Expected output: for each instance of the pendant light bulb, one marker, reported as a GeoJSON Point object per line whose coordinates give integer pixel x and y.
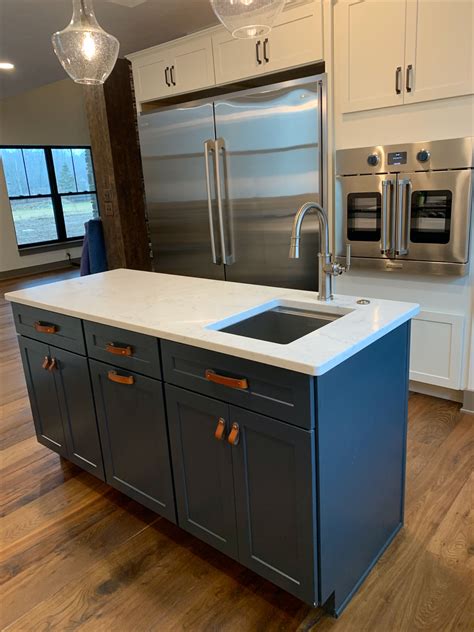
{"type": "Point", "coordinates": [247, 19]}
{"type": "Point", "coordinates": [86, 52]}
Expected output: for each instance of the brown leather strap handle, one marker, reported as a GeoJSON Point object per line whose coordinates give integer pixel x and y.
{"type": "Point", "coordinates": [231, 382]}
{"type": "Point", "coordinates": [45, 362]}
{"type": "Point", "coordinates": [220, 429]}
{"type": "Point", "coordinates": [120, 379]}
{"type": "Point", "coordinates": [53, 364]}
{"type": "Point", "coordinates": [45, 329]}
{"type": "Point", "coordinates": [121, 351]}
{"type": "Point", "coordinates": [234, 435]}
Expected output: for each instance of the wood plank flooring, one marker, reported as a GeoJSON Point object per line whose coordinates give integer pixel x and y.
{"type": "Point", "coordinates": [77, 555]}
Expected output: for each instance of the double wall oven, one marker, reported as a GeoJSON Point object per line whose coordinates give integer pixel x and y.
{"type": "Point", "coordinates": [407, 207]}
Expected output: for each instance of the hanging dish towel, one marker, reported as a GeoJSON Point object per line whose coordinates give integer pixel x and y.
{"type": "Point", "coordinates": [94, 258]}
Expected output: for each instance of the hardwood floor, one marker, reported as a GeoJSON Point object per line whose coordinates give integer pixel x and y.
{"type": "Point", "coordinates": [77, 555]}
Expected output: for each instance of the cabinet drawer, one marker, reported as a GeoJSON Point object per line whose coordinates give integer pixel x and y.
{"type": "Point", "coordinates": [126, 349]}
{"type": "Point", "coordinates": [55, 329]}
{"type": "Point", "coordinates": [265, 389]}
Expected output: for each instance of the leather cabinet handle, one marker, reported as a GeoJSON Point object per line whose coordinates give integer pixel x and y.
{"type": "Point", "coordinates": [120, 379]}
{"type": "Point", "coordinates": [45, 362]}
{"type": "Point", "coordinates": [234, 435]}
{"type": "Point", "coordinates": [53, 364]}
{"type": "Point", "coordinates": [231, 382]}
{"type": "Point", "coordinates": [45, 329]}
{"type": "Point", "coordinates": [121, 351]}
{"type": "Point", "coordinates": [220, 429]}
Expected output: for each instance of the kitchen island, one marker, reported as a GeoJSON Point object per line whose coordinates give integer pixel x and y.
{"type": "Point", "coordinates": [287, 456]}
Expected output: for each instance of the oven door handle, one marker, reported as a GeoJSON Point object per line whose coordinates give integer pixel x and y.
{"type": "Point", "coordinates": [405, 188]}
{"type": "Point", "coordinates": [386, 198]}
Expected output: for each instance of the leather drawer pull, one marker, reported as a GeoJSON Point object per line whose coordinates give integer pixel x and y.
{"type": "Point", "coordinates": [220, 429]}
{"type": "Point", "coordinates": [120, 379]}
{"type": "Point", "coordinates": [231, 382]}
{"type": "Point", "coordinates": [45, 362]}
{"type": "Point", "coordinates": [122, 351]}
{"type": "Point", "coordinates": [234, 435]}
{"type": "Point", "coordinates": [53, 364]}
{"type": "Point", "coordinates": [45, 329]}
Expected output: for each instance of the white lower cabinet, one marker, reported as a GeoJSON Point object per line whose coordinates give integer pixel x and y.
{"type": "Point", "coordinates": [437, 349]}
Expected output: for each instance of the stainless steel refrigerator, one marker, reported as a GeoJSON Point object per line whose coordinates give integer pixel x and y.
{"type": "Point", "coordinates": [224, 178]}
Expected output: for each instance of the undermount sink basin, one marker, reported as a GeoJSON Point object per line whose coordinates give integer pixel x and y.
{"type": "Point", "coordinates": [281, 324]}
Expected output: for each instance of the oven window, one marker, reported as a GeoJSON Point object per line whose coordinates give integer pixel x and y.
{"type": "Point", "coordinates": [430, 217]}
{"type": "Point", "coordinates": [363, 216]}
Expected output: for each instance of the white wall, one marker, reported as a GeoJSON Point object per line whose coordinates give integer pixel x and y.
{"type": "Point", "coordinates": [51, 115]}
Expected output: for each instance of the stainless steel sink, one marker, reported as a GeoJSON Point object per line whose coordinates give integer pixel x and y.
{"type": "Point", "coordinates": [281, 324]}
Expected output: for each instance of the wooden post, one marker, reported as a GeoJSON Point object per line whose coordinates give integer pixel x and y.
{"type": "Point", "coordinates": [113, 132]}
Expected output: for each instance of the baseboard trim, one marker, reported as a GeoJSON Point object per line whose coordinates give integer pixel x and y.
{"type": "Point", "coordinates": [437, 391]}
{"type": "Point", "coordinates": [44, 267]}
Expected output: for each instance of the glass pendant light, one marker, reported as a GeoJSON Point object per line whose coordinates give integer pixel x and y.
{"type": "Point", "coordinates": [86, 52]}
{"type": "Point", "coordinates": [247, 19]}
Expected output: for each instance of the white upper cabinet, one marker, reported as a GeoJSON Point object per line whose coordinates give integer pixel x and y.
{"type": "Point", "coordinates": [371, 53]}
{"type": "Point", "coordinates": [165, 70]}
{"type": "Point", "coordinates": [439, 49]}
{"type": "Point", "coordinates": [295, 39]}
{"type": "Point", "coordinates": [393, 52]}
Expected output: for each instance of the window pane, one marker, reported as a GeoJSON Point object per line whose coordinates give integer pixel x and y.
{"type": "Point", "coordinates": [36, 171]}
{"type": "Point", "coordinates": [78, 209]}
{"type": "Point", "coordinates": [64, 169]}
{"type": "Point", "coordinates": [34, 220]}
{"type": "Point", "coordinates": [14, 170]}
{"type": "Point", "coordinates": [84, 169]}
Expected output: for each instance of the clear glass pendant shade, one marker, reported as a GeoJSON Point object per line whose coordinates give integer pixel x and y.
{"type": "Point", "coordinates": [247, 19]}
{"type": "Point", "coordinates": [86, 52]}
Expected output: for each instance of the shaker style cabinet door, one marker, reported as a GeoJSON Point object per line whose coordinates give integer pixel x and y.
{"type": "Point", "coordinates": [274, 474]}
{"type": "Point", "coordinates": [134, 437]}
{"type": "Point", "coordinates": [192, 65]}
{"type": "Point", "coordinates": [370, 53]}
{"type": "Point", "coordinates": [202, 467]}
{"type": "Point", "coordinates": [236, 58]}
{"type": "Point", "coordinates": [43, 396]}
{"type": "Point", "coordinates": [439, 49]}
{"type": "Point", "coordinates": [76, 403]}
{"type": "Point", "coordinates": [151, 76]}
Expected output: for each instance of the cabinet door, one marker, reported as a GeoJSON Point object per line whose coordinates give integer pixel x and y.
{"type": "Point", "coordinates": [151, 76]}
{"type": "Point", "coordinates": [296, 39]}
{"type": "Point", "coordinates": [43, 397]}
{"type": "Point", "coordinates": [74, 391]}
{"type": "Point", "coordinates": [236, 58]}
{"type": "Point", "coordinates": [274, 473]}
{"type": "Point", "coordinates": [134, 437]}
{"type": "Point", "coordinates": [202, 468]}
{"type": "Point", "coordinates": [439, 47]}
{"type": "Point", "coordinates": [369, 48]}
{"type": "Point", "coordinates": [193, 65]}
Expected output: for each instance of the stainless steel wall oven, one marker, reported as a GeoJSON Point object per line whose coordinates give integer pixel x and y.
{"type": "Point", "coordinates": [407, 207]}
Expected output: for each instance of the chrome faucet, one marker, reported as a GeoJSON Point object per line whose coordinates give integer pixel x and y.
{"type": "Point", "coordinates": [328, 268]}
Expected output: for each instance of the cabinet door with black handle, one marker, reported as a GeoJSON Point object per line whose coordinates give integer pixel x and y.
{"type": "Point", "coordinates": [44, 401]}
{"type": "Point", "coordinates": [274, 497]}
{"type": "Point", "coordinates": [202, 467]}
{"type": "Point", "coordinates": [76, 403]}
{"type": "Point", "coordinates": [134, 437]}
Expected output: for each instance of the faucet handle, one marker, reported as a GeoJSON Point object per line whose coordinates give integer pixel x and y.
{"type": "Point", "coordinates": [348, 257]}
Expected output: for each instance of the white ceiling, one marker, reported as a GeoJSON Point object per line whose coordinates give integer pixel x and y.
{"type": "Point", "coordinates": [26, 27]}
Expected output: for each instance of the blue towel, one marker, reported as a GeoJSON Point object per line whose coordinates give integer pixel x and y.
{"type": "Point", "coordinates": [94, 258]}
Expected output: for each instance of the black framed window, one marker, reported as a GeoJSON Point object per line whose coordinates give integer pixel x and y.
{"type": "Point", "coordinates": [52, 192]}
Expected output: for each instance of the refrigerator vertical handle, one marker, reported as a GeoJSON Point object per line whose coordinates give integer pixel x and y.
{"type": "Point", "coordinates": [219, 150]}
{"type": "Point", "coordinates": [386, 197]}
{"type": "Point", "coordinates": [403, 216]}
{"type": "Point", "coordinates": [209, 149]}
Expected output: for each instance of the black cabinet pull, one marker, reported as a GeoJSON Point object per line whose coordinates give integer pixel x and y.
{"type": "Point", "coordinates": [257, 52]}
{"type": "Point", "coordinates": [398, 80]}
{"type": "Point", "coordinates": [266, 50]}
{"type": "Point", "coordinates": [173, 81]}
{"type": "Point", "coordinates": [409, 78]}
{"type": "Point", "coordinates": [167, 81]}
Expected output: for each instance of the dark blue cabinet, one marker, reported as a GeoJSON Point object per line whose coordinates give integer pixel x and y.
{"type": "Point", "coordinates": [202, 467]}
{"type": "Point", "coordinates": [62, 403]}
{"type": "Point", "coordinates": [133, 431]}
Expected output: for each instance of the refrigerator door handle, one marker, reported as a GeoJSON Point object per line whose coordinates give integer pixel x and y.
{"type": "Point", "coordinates": [208, 150]}
{"type": "Point", "coordinates": [220, 150]}
{"type": "Point", "coordinates": [403, 216]}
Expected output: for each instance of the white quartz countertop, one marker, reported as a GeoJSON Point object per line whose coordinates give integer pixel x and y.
{"type": "Point", "coordinates": [187, 310]}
